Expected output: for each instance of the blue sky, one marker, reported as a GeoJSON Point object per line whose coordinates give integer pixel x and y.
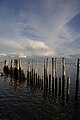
{"type": "Point", "coordinates": [39, 27]}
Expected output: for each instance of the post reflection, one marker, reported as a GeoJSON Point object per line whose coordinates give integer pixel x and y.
{"type": "Point", "coordinates": [49, 83]}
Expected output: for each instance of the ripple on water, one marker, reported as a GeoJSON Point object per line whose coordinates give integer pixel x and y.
{"type": "Point", "coordinates": [18, 102]}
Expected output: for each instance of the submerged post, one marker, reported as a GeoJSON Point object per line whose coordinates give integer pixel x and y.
{"type": "Point", "coordinates": [77, 82]}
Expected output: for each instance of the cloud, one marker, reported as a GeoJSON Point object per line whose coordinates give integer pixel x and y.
{"type": "Point", "coordinates": [10, 44]}
{"type": "Point", "coordinates": [42, 28]}
{"type": "Point", "coordinates": [53, 24]}
{"type": "Point", "coordinates": [25, 48]}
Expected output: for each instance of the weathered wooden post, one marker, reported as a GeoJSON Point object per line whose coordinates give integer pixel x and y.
{"type": "Point", "coordinates": [47, 67]}
{"type": "Point", "coordinates": [52, 76]}
{"type": "Point", "coordinates": [55, 71]}
{"type": "Point", "coordinates": [32, 73]}
{"type": "Point", "coordinates": [15, 69]}
{"type": "Point", "coordinates": [36, 72]}
{"type": "Point", "coordinates": [49, 84]}
{"type": "Point", "coordinates": [11, 70]}
{"type": "Point", "coordinates": [28, 73]}
{"type": "Point", "coordinates": [38, 81]}
{"type": "Point", "coordinates": [77, 81]}
{"type": "Point", "coordinates": [27, 76]}
{"type": "Point", "coordinates": [19, 70]}
{"type": "Point", "coordinates": [63, 79]}
{"type": "Point", "coordinates": [42, 83]}
{"type": "Point", "coordinates": [46, 76]}
{"type": "Point", "coordinates": [37, 67]}
{"type": "Point", "coordinates": [34, 77]}
{"type": "Point", "coordinates": [68, 87]}
{"type": "Point", "coordinates": [59, 87]}
{"type": "Point", "coordinates": [30, 69]}
{"type": "Point", "coordinates": [56, 87]}
{"type": "Point", "coordinates": [6, 69]}
{"type": "Point", "coordinates": [52, 68]}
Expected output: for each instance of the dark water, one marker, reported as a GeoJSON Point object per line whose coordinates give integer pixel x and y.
{"type": "Point", "coordinates": [19, 101]}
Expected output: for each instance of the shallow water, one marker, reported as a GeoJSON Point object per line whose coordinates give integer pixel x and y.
{"type": "Point", "coordinates": [20, 102]}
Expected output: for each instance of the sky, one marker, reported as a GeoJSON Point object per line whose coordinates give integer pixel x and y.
{"type": "Point", "coordinates": [39, 28]}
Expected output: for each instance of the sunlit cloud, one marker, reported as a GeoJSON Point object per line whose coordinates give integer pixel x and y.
{"type": "Point", "coordinates": [26, 47]}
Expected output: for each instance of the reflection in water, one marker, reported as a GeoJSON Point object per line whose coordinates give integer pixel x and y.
{"type": "Point", "coordinates": [39, 96]}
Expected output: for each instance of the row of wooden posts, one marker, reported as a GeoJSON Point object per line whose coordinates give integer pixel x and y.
{"type": "Point", "coordinates": [15, 72]}
{"type": "Point", "coordinates": [50, 84]}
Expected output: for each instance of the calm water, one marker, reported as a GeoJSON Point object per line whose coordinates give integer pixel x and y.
{"type": "Point", "coordinates": [19, 101]}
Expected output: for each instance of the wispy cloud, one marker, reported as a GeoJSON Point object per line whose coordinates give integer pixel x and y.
{"type": "Point", "coordinates": [43, 28]}
{"type": "Point", "coordinates": [53, 24]}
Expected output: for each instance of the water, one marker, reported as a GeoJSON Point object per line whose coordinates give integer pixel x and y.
{"type": "Point", "coordinates": [19, 101]}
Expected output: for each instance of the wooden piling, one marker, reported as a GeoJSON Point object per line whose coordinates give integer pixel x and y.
{"type": "Point", "coordinates": [32, 73]}
{"type": "Point", "coordinates": [53, 76]}
{"type": "Point", "coordinates": [37, 68]}
{"type": "Point", "coordinates": [44, 73]}
{"type": "Point", "coordinates": [59, 87]}
{"type": "Point", "coordinates": [46, 81]}
{"type": "Point", "coordinates": [53, 86]}
{"type": "Point", "coordinates": [45, 76]}
{"type": "Point", "coordinates": [6, 69]}
{"type": "Point", "coordinates": [63, 79]}
{"type": "Point", "coordinates": [49, 84]}
{"type": "Point", "coordinates": [38, 81]}
{"type": "Point", "coordinates": [55, 70]}
{"type": "Point", "coordinates": [16, 69]}
{"type": "Point", "coordinates": [77, 82]}
{"type": "Point", "coordinates": [56, 87]}
{"type": "Point", "coordinates": [19, 70]}
{"type": "Point", "coordinates": [42, 83]}
{"type": "Point", "coordinates": [29, 72]}
{"type": "Point", "coordinates": [11, 70]}
{"type": "Point", "coordinates": [68, 88]}
{"type": "Point", "coordinates": [5, 62]}
{"type": "Point", "coordinates": [52, 68]}
{"type": "Point", "coordinates": [47, 67]}
{"type": "Point", "coordinates": [34, 77]}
